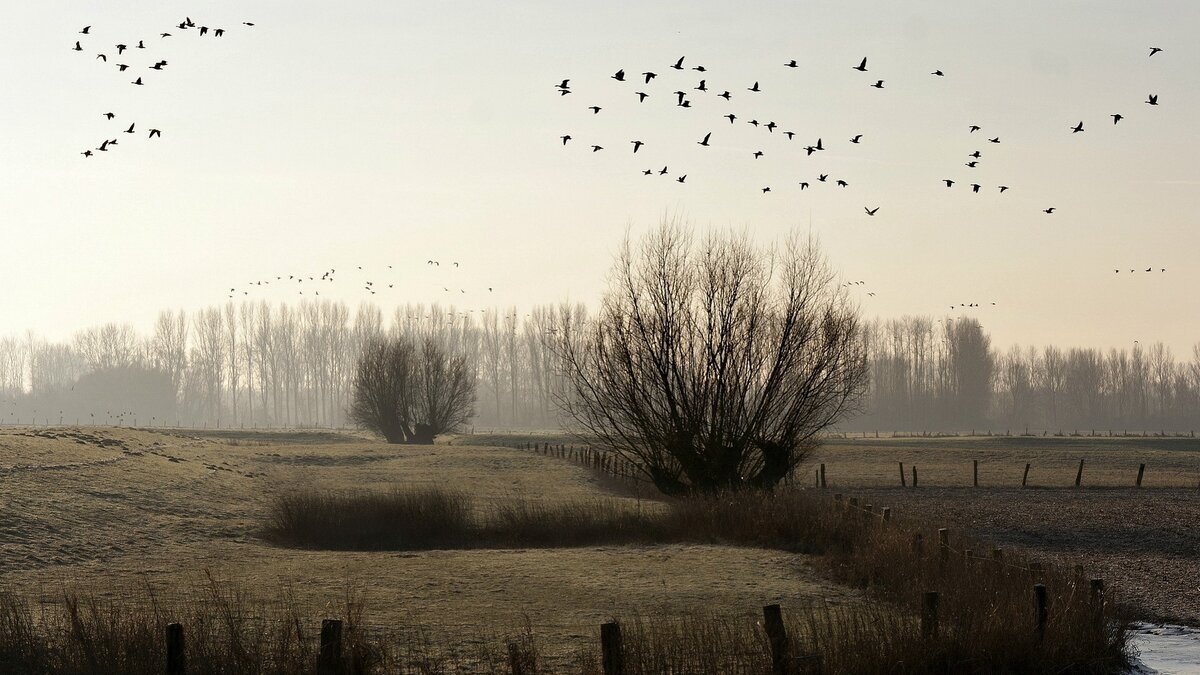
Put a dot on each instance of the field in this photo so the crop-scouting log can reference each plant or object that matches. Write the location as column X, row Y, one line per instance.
column 119, row 510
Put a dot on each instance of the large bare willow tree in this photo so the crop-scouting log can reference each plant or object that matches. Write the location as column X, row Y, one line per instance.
column 409, row 389
column 714, row 366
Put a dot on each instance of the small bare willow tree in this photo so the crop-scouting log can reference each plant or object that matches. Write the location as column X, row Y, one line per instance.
column 409, row 389
column 714, row 367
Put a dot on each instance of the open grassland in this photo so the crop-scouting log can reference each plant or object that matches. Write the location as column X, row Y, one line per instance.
column 1143, row 540
column 121, row 511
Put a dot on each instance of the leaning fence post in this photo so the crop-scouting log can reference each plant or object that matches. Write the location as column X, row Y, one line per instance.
column 929, row 614
column 329, row 660
column 612, row 653
column 1141, row 472
column 1079, row 474
column 1039, row 594
column 777, row 638
column 822, row 475
column 976, row 472
column 902, row 481
column 176, row 656
column 1025, row 478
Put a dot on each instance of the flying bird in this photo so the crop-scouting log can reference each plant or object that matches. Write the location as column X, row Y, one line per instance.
column 861, row 67
column 731, row 117
column 141, row 44
column 754, row 88
column 1153, row 100
column 85, row 30
column 699, row 68
column 994, row 140
column 975, row 187
column 789, row 134
column 122, row 67
column 878, row 84
column 975, row 154
column 704, row 141
column 1003, row 188
column 682, row 178
column 619, row 76
column 121, row 49
column 565, row 138
column 637, row 145
column 564, row 84
column 972, row 163
column 758, row 153
column 109, row 115
column 701, row 86
column 77, row 47
column 102, row 57
column 792, row 64
column 1049, row 210
column 155, row 132
column 766, row 190
column 595, row 109
column 948, row 182
column 647, row 172
column 771, row 127
column 938, row 73
column 856, row 139
column 871, row 212
column 974, row 128
column 130, row 129
column 1153, row 50
column 649, row 76
column 137, row 82
column 1117, row 117
column 754, row 122
column 725, row 95
column 596, row 148
column 219, row 32
column 642, row 96
column 663, row 172
column 86, row 153
column 679, row 64
column 822, row 177
column 164, row 35
column 803, row 186
column 842, row 183
column 1077, row 128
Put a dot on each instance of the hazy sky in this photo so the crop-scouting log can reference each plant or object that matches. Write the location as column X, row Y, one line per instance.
column 375, row 133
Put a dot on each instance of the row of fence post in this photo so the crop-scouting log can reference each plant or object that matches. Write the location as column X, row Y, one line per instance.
column 904, row 482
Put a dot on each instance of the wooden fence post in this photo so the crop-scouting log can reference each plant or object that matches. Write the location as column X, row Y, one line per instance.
column 611, row 650
column 176, row 655
column 929, row 615
column 823, row 476
column 777, row 638
column 329, row 660
column 1141, row 472
column 976, row 471
column 1025, row 478
column 1039, row 594
column 887, row 513
column 914, row 475
column 902, row 481
column 1079, row 474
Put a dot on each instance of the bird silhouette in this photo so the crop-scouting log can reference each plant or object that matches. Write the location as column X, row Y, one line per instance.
column 789, row 134
column 663, row 172
column 818, row 145
column 758, row 153
column 102, row 57
column 974, row 128
column 86, row 153
column 861, row 67
column 1049, row 210
column 642, row 96
column 141, row 44
column 938, row 73
column 1117, row 117
column 766, row 190
column 948, row 182
column 754, row 88
column 680, row 94
column 792, row 64
column 856, row 139
column 1077, row 128
column 130, row 129
column 619, row 76
column 975, row 187
column 975, row 154
column 1153, row 99
column 771, row 127
column 204, row 30
column 164, row 35
column 679, row 64
column 565, row 138
column 972, row 163
column 701, row 86
column 565, row 84
column 122, row 67
column 77, row 47
column 842, row 183
column 85, row 30
column 803, row 186
column 704, row 141
column 649, row 76
column 596, row 148
column 700, row 68
column 155, row 132
column 137, row 82
column 871, row 212
column 648, row 172
column 822, row 177
column 754, row 122
column 725, row 95
column 994, row 140
column 637, row 145
column 682, row 178
column 1155, row 50
column 595, row 109
column 121, row 49
column 1003, row 188
column 878, row 84
column 219, row 32
column 731, row 117
column 158, row 66
column 109, row 115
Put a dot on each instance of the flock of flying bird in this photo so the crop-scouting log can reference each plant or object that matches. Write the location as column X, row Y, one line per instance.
column 157, row 65
column 328, row 276
column 703, row 87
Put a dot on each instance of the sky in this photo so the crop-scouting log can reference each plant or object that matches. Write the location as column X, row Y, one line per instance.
column 376, row 133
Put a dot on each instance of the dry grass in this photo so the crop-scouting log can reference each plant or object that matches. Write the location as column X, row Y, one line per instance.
column 988, row 608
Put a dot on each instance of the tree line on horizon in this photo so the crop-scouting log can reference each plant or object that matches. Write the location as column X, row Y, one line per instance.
column 280, row 365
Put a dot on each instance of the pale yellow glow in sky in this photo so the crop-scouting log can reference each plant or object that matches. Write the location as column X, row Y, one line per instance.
column 376, row 133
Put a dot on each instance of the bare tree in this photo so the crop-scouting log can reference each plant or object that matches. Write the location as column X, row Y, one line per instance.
column 713, row 367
